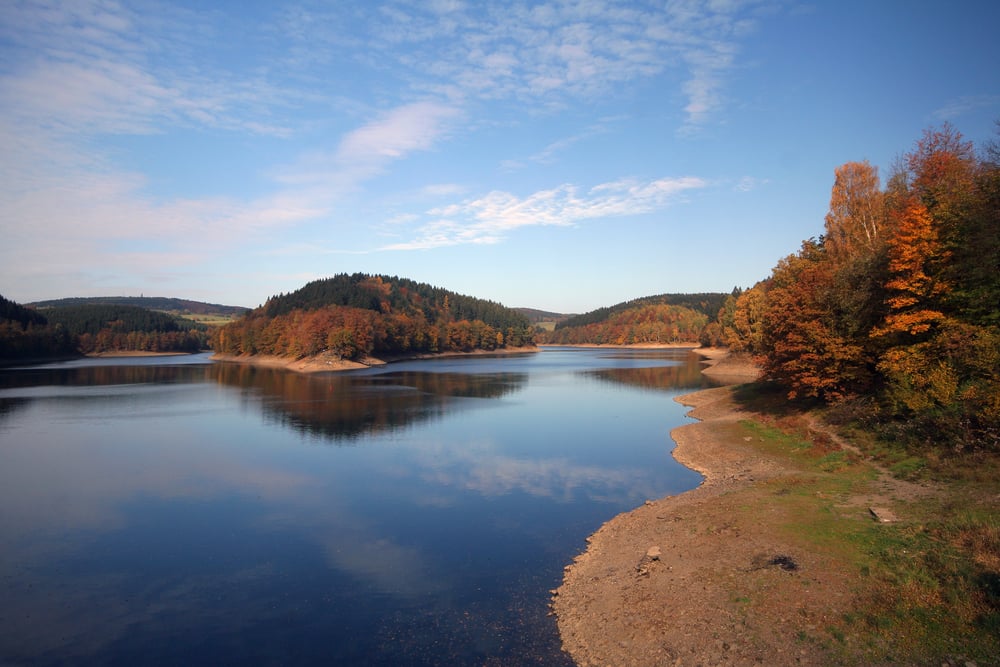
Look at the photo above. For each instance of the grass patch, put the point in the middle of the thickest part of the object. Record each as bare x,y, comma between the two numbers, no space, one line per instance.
211,320
773,439
833,462
929,590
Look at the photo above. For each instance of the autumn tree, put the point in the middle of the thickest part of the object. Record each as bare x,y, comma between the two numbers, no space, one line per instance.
747,329
804,351
854,223
900,300
915,254
720,332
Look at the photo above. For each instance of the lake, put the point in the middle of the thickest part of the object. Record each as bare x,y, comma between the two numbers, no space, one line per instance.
176,511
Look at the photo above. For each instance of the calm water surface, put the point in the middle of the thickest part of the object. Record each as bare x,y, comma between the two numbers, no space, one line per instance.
179,512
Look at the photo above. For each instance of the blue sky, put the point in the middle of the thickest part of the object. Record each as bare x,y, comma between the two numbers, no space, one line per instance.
557,155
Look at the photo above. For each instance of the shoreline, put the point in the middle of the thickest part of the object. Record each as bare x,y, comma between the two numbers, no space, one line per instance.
326,363
630,346
135,353
669,583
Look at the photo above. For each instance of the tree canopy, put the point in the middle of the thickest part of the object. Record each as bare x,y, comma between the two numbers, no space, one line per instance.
705,303
352,316
898,302
27,333
645,323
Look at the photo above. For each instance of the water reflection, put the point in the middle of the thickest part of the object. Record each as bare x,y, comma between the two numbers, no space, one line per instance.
96,376
343,407
685,373
181,514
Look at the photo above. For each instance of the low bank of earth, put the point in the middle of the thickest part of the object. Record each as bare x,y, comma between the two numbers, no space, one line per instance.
796,550
328,363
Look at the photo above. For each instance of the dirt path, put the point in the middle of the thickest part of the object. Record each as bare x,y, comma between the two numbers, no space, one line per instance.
715,576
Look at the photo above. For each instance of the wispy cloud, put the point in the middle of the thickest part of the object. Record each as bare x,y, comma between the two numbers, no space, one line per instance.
74,74
550,153
98,67
79,80
442,189
490,218
553,54
749,183
77,73
369,149
965,105
403,130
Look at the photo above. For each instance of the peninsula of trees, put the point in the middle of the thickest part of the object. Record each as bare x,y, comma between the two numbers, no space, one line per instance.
354,316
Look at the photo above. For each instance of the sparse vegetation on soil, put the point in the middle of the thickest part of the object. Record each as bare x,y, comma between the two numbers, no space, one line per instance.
799,548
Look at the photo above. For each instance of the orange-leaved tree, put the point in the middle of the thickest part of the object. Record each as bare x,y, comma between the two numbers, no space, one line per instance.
914,286
854,223
804,351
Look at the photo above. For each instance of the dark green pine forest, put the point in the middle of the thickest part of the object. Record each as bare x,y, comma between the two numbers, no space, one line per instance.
88,328
26,334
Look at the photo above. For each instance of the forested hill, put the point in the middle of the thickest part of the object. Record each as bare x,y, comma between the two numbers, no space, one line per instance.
16,313
351,316
536,316
646,324
149,302
707,303
664,318
391,294
26,333
103,327
93,318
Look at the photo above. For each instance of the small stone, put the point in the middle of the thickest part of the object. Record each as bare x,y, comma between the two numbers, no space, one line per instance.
882,514
653,553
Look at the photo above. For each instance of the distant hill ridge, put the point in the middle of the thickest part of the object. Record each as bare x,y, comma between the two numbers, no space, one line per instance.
392,294
535,316
67,327
149,302
706,303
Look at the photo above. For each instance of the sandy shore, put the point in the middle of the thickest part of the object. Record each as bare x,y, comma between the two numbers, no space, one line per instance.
727,367
696,579
327,363
317,364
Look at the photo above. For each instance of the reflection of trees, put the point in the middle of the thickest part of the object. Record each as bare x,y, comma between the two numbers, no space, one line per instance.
340,406
9,406
91,376
95,376
348,406
487,385
685,375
